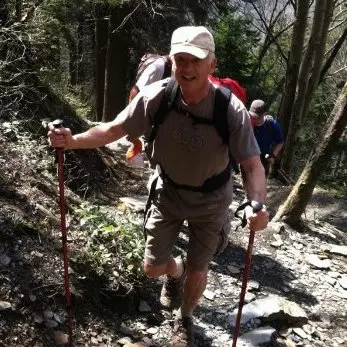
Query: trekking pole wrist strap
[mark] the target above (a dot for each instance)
(256, 206)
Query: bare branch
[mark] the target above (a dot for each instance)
(333, 54)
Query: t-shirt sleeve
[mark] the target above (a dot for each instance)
(242, 143)
(154, 72)
(136, 118)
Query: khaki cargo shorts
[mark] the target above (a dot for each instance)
(208, 223)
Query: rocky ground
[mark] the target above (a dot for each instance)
(297, 292)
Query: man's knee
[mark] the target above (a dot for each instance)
(154, 270)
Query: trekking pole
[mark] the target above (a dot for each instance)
(60, 160)
(257, 206)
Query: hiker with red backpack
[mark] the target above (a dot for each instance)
(152, 68)
(192, 181)
(268, 133)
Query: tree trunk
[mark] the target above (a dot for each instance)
(318, 58)
(4, 13)
(303, 81)
(116, 60)
(80, 71)
(18, 10)
(295, 56)
(301, 193)
(101, 34)
(73, 55)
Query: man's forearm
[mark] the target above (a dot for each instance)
(255, 182)
(256, 185)
(277, 148)
(97, 136)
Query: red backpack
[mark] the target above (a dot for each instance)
(235, 87)
(231, 84)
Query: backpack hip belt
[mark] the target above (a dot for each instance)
(212, 183)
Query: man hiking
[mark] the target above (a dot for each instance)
(192, 181)
(268, 134)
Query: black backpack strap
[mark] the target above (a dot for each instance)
(270, 124)
(167, 67)
(220, 112)
(220, 119)
(167, 102)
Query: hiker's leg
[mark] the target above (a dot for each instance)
(207, 237)
(162, 230)
(194, 287)
(170, 268)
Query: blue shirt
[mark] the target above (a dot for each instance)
(268, 134)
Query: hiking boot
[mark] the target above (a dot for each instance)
(182, 332)
(171, 292)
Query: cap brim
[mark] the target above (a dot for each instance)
(253, 114)
(196, 51)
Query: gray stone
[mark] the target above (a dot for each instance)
(135, 203)
(50, 323)
(249, 297)
(285, 342)
(5, 260)
(38, 319)
(208, 294)
(343, 282)
(124, 340)
(152, 330)
(278, 243)
(341, 294)
(253, 285)
(318, 263)
(233, 269)
(300, 332)
(271, 308)
(4, 305)
(341, 250)
(48, 314)
(257, 337)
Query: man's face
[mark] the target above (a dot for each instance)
(191, 72)
(259, 120)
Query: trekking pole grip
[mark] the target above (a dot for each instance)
(257, 206)
(58, 123)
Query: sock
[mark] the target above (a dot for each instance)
(181, 312)
(180, 268)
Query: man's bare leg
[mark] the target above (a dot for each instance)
(194, 287)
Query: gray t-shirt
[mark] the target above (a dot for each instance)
(190, 153)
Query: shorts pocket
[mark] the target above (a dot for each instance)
(224, 237)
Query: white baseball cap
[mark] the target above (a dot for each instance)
(195, 40)
(258, 108)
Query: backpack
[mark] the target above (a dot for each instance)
(219, 121)
(231, 84)
(269, 122)
(149, 58)
(221, 104)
